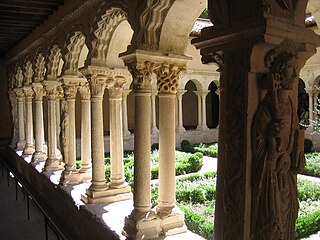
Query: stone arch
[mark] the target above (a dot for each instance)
(39, 65)
(73, 47)
(212, 105)
(178, 23)
(101, 35)
(53, 61)
(190, 102)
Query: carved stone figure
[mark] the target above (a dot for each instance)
(276, 162)
(64, 130)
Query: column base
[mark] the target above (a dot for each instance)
(142, 226)
(180, 129)
(202, 128)
(28, 150)
(53, 164)
(154, 130)
(172, 222)
(126, 134)
(20, 145)
(85, 174)
(70, 177)
(107, 196)
(38, 156)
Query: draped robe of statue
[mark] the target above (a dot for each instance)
(277, 159)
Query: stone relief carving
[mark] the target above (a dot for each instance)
(168, 77)
(115, 86)
(28, 92)
(277, 151)
(28, 74)
(141, 73)
(52, 92)
(238, 62)
(97, 84)
(18, 77)
(70, 90)
(64, 126)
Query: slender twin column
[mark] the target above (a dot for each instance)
(202, 117)
(70, 174)
(39, 155)
(29, 147)
(21, 132)
(154, 129)
(85, 169)
(180, 128)
(167, 81)
(99, 191)
(125, 93)
(53, 163)
(142, 222)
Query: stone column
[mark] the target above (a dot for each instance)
(154, 129)
(14, 115)
(86, 168)
(29, 147)
(314, 115)
(167, 81)
(142, 222)
(97, 191)
(39, 155)
(59, 99)
(70, 174)
(118, 187)
(180, 128)
(125, 93)
(53, 163)
(21, 131)
(202, 113)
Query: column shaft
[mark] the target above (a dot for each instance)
(166, 152)
(85, 136)
(204, 111)
(199, 112)
(125, 93)
(97, 145)
(29, 148)
(21, 131)
(117, 179)
(38, 155)
(154, 128)
(142, 146)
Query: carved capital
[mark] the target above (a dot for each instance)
(141, 73)
(38, 91)
(168, 78)
(115, 86)
(53, 89)
(97, 84)
(19, 93)
(84, 90)
(28, 92)
(70, 90)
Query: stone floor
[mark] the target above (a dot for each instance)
(14, 223)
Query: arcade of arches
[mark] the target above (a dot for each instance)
(105, 76)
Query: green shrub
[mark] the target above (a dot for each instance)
(155, 146)
(187, 147)
(154, 173)
(308, 190)
(197, 223)
(308, 145)
(312, 167)
(307, 225)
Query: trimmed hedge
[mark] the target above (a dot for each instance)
(208, 149)
(307, 225)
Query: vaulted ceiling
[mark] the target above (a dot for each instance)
(18, 18)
